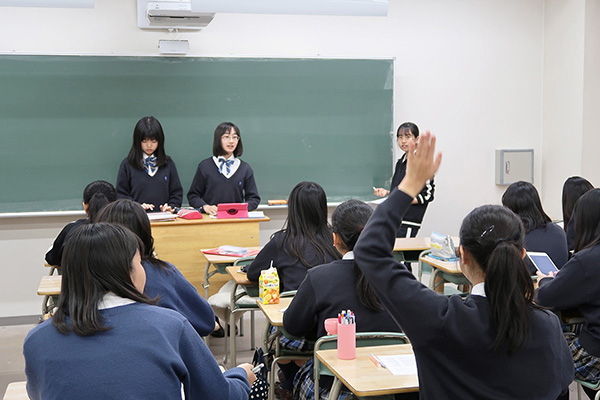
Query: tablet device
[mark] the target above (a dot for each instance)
(542, 262)
(232, 210)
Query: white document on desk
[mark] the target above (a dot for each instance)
(402, 364)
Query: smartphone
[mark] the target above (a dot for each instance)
(542, 262)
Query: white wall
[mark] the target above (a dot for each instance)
(472, 71)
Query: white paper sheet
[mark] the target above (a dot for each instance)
(402, 364)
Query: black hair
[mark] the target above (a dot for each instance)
(306, 223)
(523, 199)
(587, 220)
(572, 190)
(348, 221)
(408, 126)
(132, 216)
(97, 195)
(494, 236)
(225, 128)
(97, 259)
(147, 128)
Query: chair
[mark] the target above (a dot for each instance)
(236, 307)
(363, 339)
(588, 385)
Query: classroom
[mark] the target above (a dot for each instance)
(480, 75)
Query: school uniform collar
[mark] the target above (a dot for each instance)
(233, 167)
(111, 300)
(479, 289)
(348, 256)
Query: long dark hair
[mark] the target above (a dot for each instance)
(225, 128)
(132, 216)
(572, 190)
(587, 220)
(306, 223)
(97, 259)
(523, 199)
(494, 236)
(348, 221)
(96, 195)
(147, 128)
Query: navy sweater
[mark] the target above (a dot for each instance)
(148, 353)
(577, 286)
(452, 337)
(54, 255)
(164, 187)
(211, 187)
(176, 293)
(290, 269)
(416, 212)
(551, 240)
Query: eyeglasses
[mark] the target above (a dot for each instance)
(227, 138)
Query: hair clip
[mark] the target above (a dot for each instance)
(488, 230)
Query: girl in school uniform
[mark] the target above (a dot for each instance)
(318, 298)
(163, 280)
(106, 339)
(224, 178)
(541, 234)
(304, 242)
(496, 343)
(408, 134)
(577, 285)
(573, 189)
(96, 195)
(148, 175)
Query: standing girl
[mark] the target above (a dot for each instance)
(109, 342)
(489, 345)
(95, 196)
(318, 299)
(163, 280)
(224, 178)
(149, 176)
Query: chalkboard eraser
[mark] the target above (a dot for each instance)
(276, 202)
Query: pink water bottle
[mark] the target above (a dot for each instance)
(346, 341)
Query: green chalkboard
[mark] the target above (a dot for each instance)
(68, 120)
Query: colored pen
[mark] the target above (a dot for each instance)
(258, 367)
(376, 361)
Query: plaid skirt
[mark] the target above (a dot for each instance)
(587, 366)
(293, 344)
(304, 385)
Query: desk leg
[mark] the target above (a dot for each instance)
(336, 388)
(206, 283)
(436, 283)
(232, 335)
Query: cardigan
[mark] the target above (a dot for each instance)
(291, 271)
(550, 239)
(452, 337)
(164, 187)
(577, 285)
(55, 252)
(211, 187)
(416, 212)
(175, 292)
(148, 354)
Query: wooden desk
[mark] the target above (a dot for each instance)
(273, 311)
(50, 285)
(220, 264)
(178, 242)
(403, 245)
(16, 391)
(363, 378)
(442, 270)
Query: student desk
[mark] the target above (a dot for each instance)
(416, 244)
(363, 377)
(16, 391)
(273, 312)
(220, 264)
(444, 271)
(178, 241)
(240, 279)
(49, 288)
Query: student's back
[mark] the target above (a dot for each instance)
(550, 239)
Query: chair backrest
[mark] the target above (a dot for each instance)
(363, 339)
(251, 291)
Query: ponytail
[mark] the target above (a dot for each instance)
(509, 289)
(494, 236)
(96, 203)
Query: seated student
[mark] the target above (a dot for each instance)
(318, 299)
(95, 196)
(573, 189)
(163, 280)
(304, 242)
(224, 177)
(106, 340)
(577, 285)
(496, 343)
(541, 234)
(148, 175)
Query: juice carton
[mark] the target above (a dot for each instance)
(268, 286)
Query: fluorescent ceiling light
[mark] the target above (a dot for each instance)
(303, 7)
